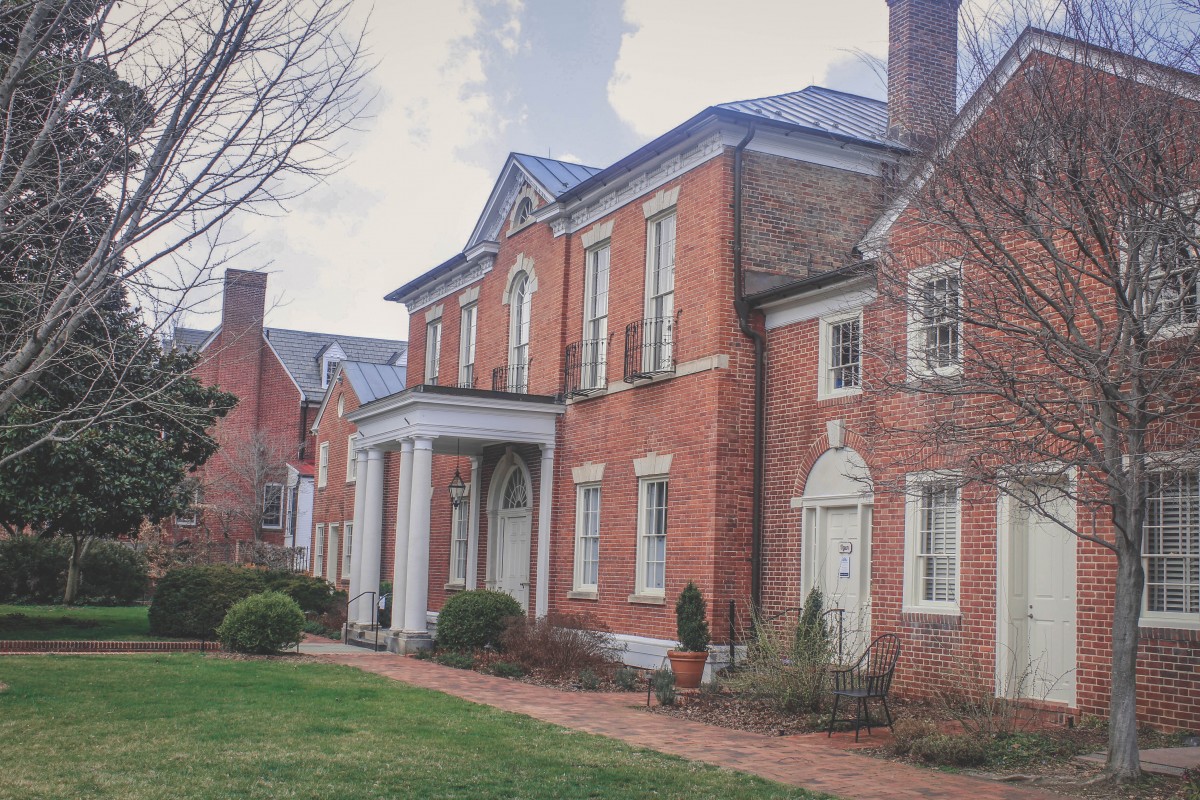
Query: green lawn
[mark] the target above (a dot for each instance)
(190, 726)
(43, 623)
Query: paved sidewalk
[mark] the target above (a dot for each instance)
(794, 760)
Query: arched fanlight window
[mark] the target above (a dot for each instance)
(524, 212)
(516, 491)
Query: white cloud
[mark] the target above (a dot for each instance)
(685, 56)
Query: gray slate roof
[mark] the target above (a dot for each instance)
(188, 338)
(557, 176)
(824, 110)
(301, 352)
(374, 381)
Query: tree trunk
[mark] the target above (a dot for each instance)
(1123, 762)
(79, 548)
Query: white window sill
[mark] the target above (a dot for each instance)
(837, 394)
(937, 611)
(583, 594)
(648, 599)
(454, 587)
(720, 361)
(1180, 622)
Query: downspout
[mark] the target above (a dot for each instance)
(742, 307)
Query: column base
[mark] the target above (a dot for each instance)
(405, 642)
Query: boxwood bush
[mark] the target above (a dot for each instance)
(475, 619)
(35, 570)
(262, 624)
(193, 601)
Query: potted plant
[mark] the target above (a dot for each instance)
(688, 661)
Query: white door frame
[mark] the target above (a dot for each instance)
(495, 500)
(1006, 519)
(813, 510)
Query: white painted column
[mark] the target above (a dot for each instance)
(356, 544)
(545, 500)
(476, 500)
(400, 561)
(416, 585)
(372, 534)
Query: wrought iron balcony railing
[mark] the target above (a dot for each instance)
(512, 378)
(586, 367)
(649, 348)
(466, 376)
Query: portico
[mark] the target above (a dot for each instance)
(418, 423)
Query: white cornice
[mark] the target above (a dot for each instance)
(474, 271)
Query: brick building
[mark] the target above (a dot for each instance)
(652, 373)
(259, 485)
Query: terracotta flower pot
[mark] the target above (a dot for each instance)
(688, 668)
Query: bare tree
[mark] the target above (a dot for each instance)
(133, 130)
(1056, 339)
(244, 485)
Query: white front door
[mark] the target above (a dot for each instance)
(1041, 607)
(513, 558)
(841, 572)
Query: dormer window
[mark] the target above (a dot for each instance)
(330, 368)
(330, 359)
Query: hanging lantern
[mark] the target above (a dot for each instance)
(458, 489)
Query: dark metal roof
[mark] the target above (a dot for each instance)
(824, 110)
(374, 381)
(556, 176)
(188, 338)
(300, 352)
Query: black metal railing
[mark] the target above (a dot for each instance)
(649, 348)
(512, 378)
(586, 367)
(466, 377)
(374, 615)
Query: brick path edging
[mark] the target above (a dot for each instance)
(14, 647)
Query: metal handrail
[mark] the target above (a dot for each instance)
(650, 348)
(841, 630)
(585, 367)
(374, 613)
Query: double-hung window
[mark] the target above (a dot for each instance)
(323, 466)
(433, 351)
(460, 532)
(840, 360)
(935, 340)
(319, 551)
(1171, 266)
(658, 338)
(347, 547)
(272, 508)
(466, 346)
(652, 536)
(587, 537)
(595, 319)
(1171, 545)
(518, 335)
(352, 458)
(932, 544)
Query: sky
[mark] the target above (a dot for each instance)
(461, 83)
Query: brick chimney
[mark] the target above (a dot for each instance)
(243, 307)
(922, 68)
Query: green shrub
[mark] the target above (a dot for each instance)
(193, 601)
(475, 619)
(786, 669)
(315, 628)
(948, 751)
(32, 570)
(112, 574)
(262, 624)
(507, 669)
(315, 596)
(663, 682)
(690, 620)
(589, 681)
(454, 659)
(626, 679)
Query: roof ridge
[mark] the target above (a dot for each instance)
(811, 86)
(555, 160)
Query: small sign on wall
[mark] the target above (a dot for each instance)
(844, 567)
(845, 548)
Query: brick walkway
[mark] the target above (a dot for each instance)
(794, 760)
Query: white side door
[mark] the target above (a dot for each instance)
(514, 555)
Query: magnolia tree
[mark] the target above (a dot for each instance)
(132, 132)
(1042, 280)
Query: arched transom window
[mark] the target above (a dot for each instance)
(516, 491)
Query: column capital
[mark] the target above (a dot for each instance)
(547, 450)
(406, 445)
(422, 443)
(374, 454)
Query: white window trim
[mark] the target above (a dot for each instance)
(191, 516)
(323, 465)
(433, 351)
(914, 603)
(460, 516)
(468, 336)
(351, 459)
(281, 488)
(514, 329)
(640, 588)
(1178, 620)
(918, 367)
(335, 544)
(825, 389)
(318, 564)
(347, 546)
(1177, 329)
(580, 490)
